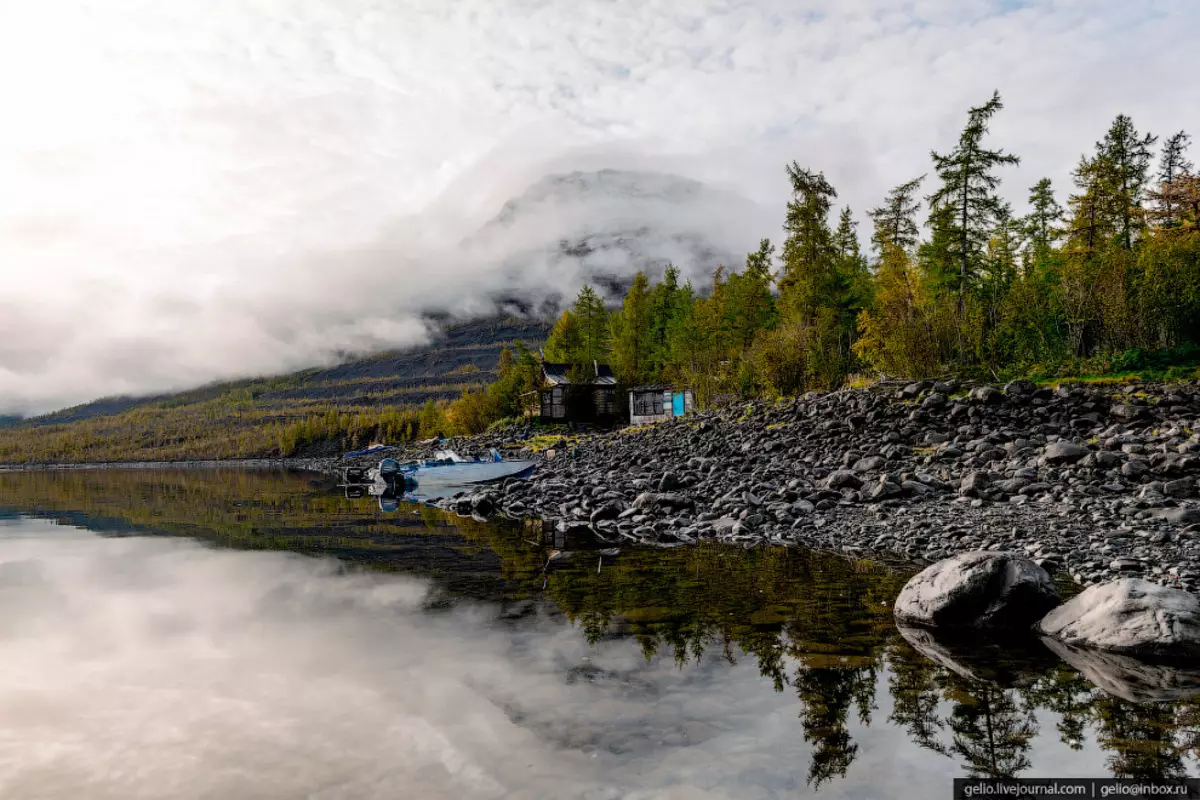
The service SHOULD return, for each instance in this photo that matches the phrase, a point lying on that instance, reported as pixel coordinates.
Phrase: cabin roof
(558, 375)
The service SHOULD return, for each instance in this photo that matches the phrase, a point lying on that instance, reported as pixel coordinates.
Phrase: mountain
(601, 227)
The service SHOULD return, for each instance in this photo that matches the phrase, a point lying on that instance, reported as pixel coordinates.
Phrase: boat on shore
(446, 468)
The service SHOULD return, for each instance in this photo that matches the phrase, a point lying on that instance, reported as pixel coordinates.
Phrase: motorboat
(447, 468)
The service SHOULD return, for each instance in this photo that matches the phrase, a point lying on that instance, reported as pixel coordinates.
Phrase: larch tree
(808, 251)
(1041, 226)
(564, 344)
(1123, 159)
(592, 320)
(631, 334)
(1174, 173)
(968, 187)
(896, 220)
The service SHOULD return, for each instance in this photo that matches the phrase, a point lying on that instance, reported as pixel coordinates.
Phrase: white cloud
(195, 189)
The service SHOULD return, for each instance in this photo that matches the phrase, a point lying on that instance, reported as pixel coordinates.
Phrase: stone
(1184, 487)
(986, 395)
(1061, 452)
(981, 589)
(974, 483)
(1020, 388)
(1130, 616)
(869, 464)
(669, 482)
(843, 479)
(1127, 413)
(1177, 516)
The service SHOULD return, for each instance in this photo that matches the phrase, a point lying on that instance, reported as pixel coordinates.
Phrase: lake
(224, 633)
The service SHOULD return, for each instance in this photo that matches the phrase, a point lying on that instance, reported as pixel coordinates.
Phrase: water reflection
(816, 629)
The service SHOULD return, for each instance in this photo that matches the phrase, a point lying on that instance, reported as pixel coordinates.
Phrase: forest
(1100, 278)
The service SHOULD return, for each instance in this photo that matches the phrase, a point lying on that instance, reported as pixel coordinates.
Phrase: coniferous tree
(1174, 174)
(1123, 158)
(750, 306)
(631, 334)
(1041, 226)
(896, 220)
(564, 345)
(968, 187)
(808, 251)
(592, 319)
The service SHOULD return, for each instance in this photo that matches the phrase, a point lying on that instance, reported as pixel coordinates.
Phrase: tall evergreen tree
(631, 334)
(1173, 168)
(1040, 224)
(750, 306)
(968, 186)
(1123, 158)
(808, 251)
(592, 320)
(895, 222)
(564, 345)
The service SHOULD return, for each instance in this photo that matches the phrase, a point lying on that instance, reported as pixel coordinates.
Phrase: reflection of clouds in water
(145, 667)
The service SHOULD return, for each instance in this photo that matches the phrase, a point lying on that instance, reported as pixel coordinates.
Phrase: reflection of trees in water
(1143, 739)
(913, 684)
(817, 623)
(827, 695)
(992, 729)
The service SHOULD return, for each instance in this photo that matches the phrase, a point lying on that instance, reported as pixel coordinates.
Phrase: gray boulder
(988, 395)
(843, 479)
(1130, 616)
(978, 589)
(1020, 387)
(1177, 516)
(1127, 413)
(1057, 453)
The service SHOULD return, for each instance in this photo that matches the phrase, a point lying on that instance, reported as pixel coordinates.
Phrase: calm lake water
(171, 634)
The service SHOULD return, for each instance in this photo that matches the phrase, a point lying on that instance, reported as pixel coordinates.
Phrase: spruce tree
(968, 186)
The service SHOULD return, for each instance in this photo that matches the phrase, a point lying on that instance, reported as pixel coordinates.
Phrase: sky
(194, 190)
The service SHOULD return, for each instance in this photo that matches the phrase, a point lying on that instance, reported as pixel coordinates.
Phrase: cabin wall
(647, 407)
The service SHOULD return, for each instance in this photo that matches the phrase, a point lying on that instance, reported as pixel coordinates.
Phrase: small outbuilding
(649, 404)
(580, 395)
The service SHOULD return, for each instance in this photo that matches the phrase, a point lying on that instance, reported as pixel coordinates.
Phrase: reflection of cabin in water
(649, 404)
(576, 394)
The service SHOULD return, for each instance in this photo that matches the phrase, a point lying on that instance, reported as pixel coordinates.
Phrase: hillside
(371, 396)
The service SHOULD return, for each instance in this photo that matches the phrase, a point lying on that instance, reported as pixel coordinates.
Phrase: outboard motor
(355, 475)
(389, 469)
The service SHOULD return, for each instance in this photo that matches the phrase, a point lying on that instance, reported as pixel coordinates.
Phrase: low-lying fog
(150, 668)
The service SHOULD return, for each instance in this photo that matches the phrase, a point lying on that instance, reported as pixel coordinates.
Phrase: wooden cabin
(578, 395)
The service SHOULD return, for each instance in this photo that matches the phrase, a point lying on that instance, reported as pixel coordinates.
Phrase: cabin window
(648, 404)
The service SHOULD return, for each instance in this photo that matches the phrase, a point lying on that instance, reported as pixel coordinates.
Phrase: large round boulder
(977, 590)
(1130, 616)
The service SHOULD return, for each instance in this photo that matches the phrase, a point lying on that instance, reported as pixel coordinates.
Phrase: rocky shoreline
(1096, 482)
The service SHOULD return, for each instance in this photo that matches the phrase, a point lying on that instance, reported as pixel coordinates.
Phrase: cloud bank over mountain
(197, 190)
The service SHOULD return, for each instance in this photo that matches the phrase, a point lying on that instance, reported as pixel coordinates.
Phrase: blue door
(677, 405)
